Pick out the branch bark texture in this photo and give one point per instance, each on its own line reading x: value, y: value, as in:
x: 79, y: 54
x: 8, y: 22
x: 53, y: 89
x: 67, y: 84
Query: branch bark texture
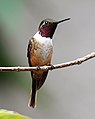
x: 62, y: 65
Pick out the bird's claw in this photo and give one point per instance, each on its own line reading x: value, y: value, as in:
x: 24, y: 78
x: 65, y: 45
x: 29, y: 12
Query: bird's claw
x: 52, y: 67
x: 38, y: 67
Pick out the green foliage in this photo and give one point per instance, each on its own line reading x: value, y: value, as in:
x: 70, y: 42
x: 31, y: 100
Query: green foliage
x: 4, y: 114
x: 10, y: 18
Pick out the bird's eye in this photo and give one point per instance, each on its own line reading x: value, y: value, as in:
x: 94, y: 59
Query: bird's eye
x: 43, y: 23
x: 46, y: 22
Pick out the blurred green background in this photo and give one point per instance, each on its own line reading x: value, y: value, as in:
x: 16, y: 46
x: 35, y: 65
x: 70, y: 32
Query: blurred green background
x: 68, y: 93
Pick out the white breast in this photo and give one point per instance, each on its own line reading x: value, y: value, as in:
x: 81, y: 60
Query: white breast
x: 43, y: 40
x: 45, y: 46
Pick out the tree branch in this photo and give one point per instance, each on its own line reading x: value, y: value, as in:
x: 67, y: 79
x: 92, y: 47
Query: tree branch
x: 62, y: 65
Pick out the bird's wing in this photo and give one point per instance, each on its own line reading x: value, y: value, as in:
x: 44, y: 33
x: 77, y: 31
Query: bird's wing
x: 28, y: 52
x: 44, y: 74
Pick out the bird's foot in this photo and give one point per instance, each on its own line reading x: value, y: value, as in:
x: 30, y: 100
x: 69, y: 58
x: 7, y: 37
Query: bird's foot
x: 52, y: 67
x: 38, y: 67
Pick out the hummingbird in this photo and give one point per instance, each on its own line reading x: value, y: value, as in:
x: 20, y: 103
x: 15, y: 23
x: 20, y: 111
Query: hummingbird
x: 39, y: 53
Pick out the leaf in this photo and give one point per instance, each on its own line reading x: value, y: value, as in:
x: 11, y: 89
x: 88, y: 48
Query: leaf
x: 5, y: 114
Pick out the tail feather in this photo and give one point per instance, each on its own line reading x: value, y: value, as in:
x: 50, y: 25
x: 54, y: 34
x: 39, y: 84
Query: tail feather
x: 32, y: 101
x: 36, y: 85
x: 42, y: 80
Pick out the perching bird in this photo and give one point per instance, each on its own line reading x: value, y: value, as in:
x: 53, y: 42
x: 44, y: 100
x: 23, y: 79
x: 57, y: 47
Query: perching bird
x: 40, y: 49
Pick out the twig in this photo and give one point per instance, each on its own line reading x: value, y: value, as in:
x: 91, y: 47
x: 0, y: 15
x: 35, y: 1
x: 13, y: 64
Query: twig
x: 62, y: 65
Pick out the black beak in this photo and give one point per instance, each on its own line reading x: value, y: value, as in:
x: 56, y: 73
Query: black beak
x: 63, y: 20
